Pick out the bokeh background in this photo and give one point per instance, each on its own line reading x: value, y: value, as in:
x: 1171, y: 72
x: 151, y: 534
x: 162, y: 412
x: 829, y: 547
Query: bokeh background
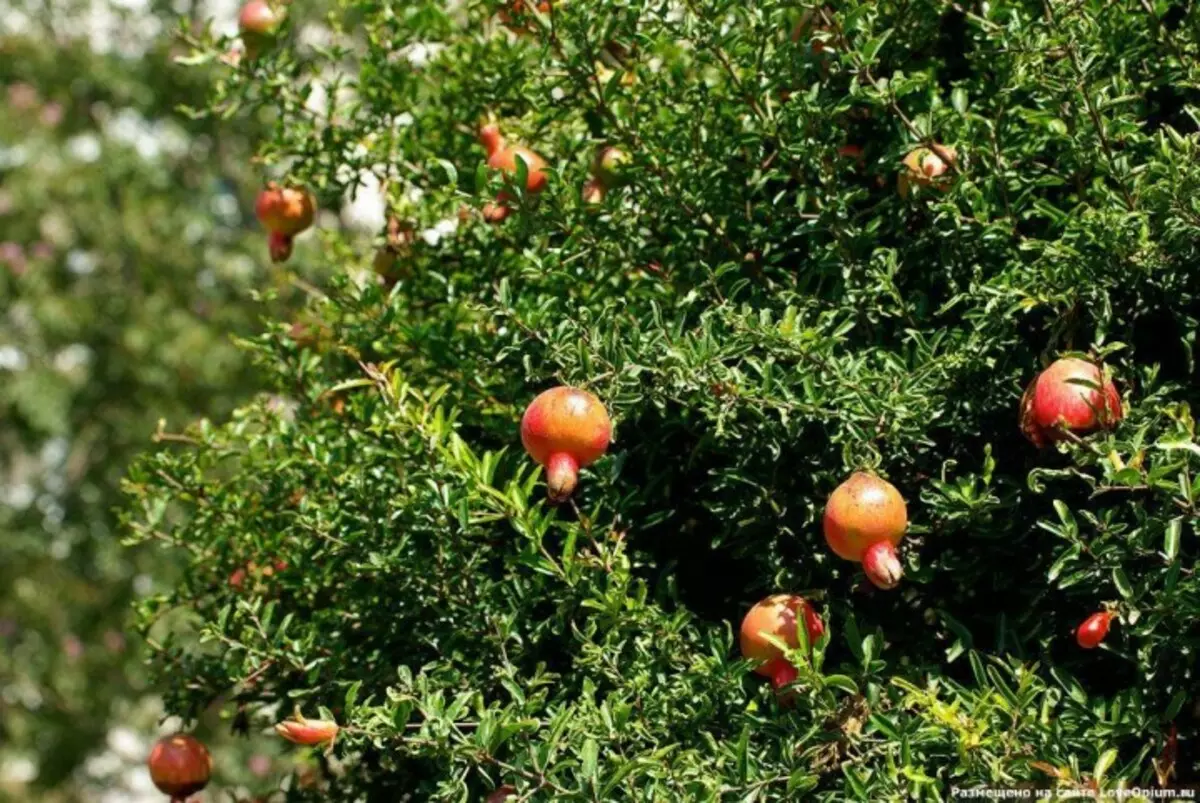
x: 130, y: 262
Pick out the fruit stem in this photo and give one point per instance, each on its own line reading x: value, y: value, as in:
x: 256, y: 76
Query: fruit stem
x: 562, y: 474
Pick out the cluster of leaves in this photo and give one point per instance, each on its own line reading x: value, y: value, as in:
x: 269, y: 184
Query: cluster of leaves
x: 762, y: 316
x: 129, y: 256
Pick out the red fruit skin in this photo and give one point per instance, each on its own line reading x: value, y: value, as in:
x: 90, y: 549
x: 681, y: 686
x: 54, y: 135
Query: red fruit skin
x: 308, y: 732
x: 776, y: 616
x: 1093, y: 630
x: 258, y: 24
x: 505, y: 160
x: 882, y: 566
x: 501, y: 794
x: 179, y: 766
x: 565, y: 429
x: 279, y: 246
x: 923, y: 167
x: 1056, y: 401
x: 517, y: 17
x: 285, y: 210
x: 862, y: 511
x: 784, y: 674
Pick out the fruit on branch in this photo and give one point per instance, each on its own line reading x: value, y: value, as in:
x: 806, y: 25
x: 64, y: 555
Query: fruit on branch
x: 505, y: 158
x: 610, y: 167
x: 1072, y: 395
x: 1093, y: 630
x: 517, y: 16
x: 927, y: 167
x: 865, y: 518
x: 565, y: 429
x: 501, y: 794
x: 180, y: 766
x: 308, y: 732
x: 777, y: 617
x: 401, y: 235
x: 258, y: 23
x: 284, y: 212
x: 593, y: 192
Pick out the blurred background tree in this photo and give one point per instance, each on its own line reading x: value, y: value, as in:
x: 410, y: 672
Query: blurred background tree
x: 128, y: 255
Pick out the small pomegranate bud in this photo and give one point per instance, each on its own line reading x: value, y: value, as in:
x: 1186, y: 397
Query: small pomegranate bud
x: 258, y: 24
x: 1093, y: 630
x: 1072, y: 395
x: 881, y: 565
x: 862, y: 512
x: 279, y: 246
x: 777, y: 617
x: 501, y: 794
x: 308, y: 732
x: 926, y: 167
x: 593, y: 192
x: 565, y: 429
x: 180, y: 766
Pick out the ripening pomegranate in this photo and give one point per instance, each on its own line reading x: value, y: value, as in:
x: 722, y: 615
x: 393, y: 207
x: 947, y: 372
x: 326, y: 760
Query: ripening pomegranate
x: 865, y: 518
x: 180, y: 766
x: 1093, y: 630
x: 610, y: 167
x: 504, y: 158
x: 501, y: 794
x: 308, y: 732
x: 517, y: 17
x: 565, y: 429
x: 777, y: 617
x: 593, y: 192
x: 926, y: 167
x: 1072, y: 395
x: 284, y: 213
x: 258, y: 24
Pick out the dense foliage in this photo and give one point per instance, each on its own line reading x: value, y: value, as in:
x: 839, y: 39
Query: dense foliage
x: 762, y: 312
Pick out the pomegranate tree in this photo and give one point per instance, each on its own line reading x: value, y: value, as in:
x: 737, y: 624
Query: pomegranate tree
x: 505, y: 158
x: 777, y: 617
x: 284, y: 212
x: 1072, y: 395
x: 865, y: 518
x: 180, y: 766
x: 565, y: 429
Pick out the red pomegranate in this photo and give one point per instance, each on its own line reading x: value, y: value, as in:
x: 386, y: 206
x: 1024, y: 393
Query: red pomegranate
x: 258, y: 24
x: 284, y: 213
x: 865, y: 518
x: 565, y: 429
x: 504, y: 158
x: 777, y: 617
x: 1093, y: 630
x: 1072, y: 395
x: 927, y: 167
x: 180, y: 766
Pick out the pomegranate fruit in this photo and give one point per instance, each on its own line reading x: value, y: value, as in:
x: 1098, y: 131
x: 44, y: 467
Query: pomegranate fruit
x: 865, y: 518
x: 593, y: 192
x: 258, y: 24
x: 1072, y: 395
x: 505, y: 158
x: 1093, y: 630
x: 180, y: 766
x: 308, y: 732
x: 927, y: 167
x: 777, y: 617
x: 610, y: 167
x: 517, y: 17
x: 501, y: 794
x: 565, y: 429
x: 284, y: 213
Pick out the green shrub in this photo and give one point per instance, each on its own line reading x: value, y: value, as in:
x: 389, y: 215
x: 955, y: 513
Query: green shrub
x: 761, y: 317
